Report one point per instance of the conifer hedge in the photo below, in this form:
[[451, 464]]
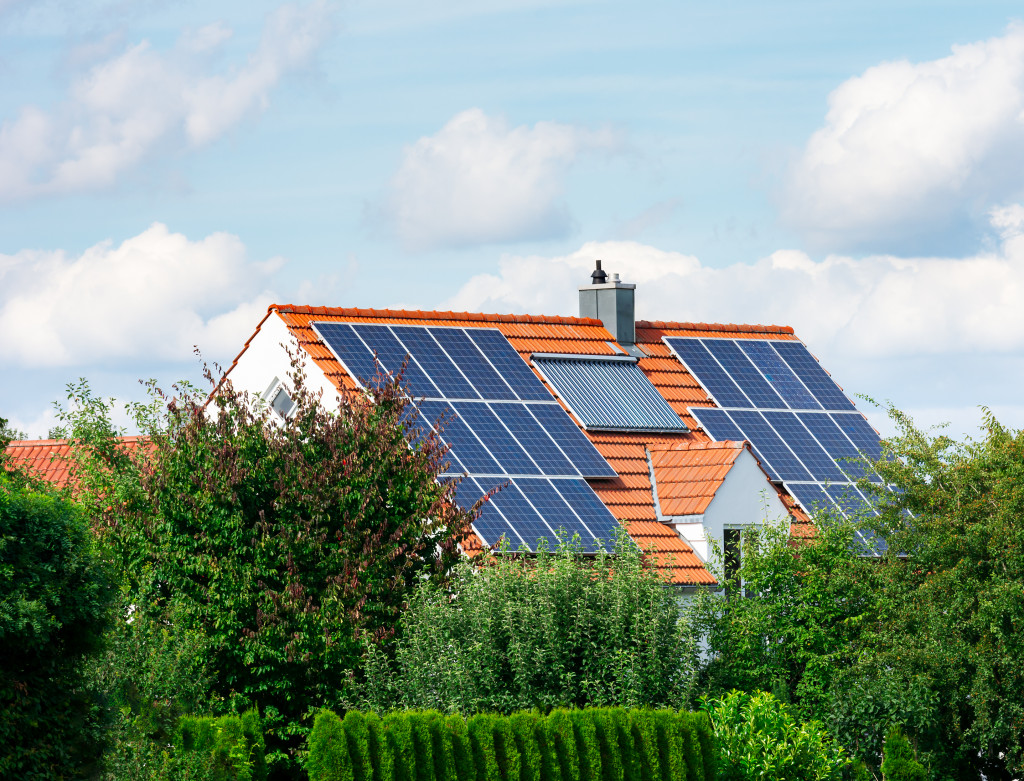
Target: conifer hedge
[[593, 744]]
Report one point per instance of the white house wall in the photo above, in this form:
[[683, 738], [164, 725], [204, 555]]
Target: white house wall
[[745, 498], [265, 359]]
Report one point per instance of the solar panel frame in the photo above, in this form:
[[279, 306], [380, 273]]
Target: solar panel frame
[[497, 349], [818, 381], [560, 514], [571, 441], [707, 371], [779, 460], [355, 357], [473, 364], [443, 371], [592, 512], [609, 394], [472, 454], [789, 387], [803, 444], [838, 445], [534, 439], [498, 440], [744, 373]]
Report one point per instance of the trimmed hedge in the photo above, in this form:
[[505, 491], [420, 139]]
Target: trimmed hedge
[[235, 744], [593, 744]]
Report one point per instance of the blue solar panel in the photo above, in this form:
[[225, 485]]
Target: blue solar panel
[[492, 525], [717, 423], [393, 355], [506, 360], [860, 433], [850, 499], [812, 498], [813, 376], [464, 444], [838, 445], [571, 440], [818, 462], [610, 394], [354, 354], [478, 371], [444, 373], [745, 374], [706, 370], [590, 509], [777, 459], [775, 370], [521, 515], [556, 511], [534, 439], [496, 438]]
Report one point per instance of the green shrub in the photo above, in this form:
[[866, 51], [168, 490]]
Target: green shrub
[[550, 765], [234, 744], [399, 734], [701, 724], [608, 744], [586, 744], [481, 738], [462, 749], [563, 738], [441, 747], [758, 738], [505, 749], [358, 736], [54, 598], [899, 762], [645, 738], [423, 745], [691, 743], [627, 744], [329, 758], [525, 726], [382, 754], [671, 748], [525, 634]]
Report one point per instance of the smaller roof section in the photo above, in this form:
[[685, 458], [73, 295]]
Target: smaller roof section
[[608, 393], [689, 474], [50, 459]]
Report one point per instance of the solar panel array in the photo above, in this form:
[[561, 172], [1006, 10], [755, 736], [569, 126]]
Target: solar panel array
[[500, 423], [803, 428], [609, 394]]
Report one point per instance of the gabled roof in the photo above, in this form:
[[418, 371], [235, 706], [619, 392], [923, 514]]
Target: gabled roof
[[630, 496], [689, 475]]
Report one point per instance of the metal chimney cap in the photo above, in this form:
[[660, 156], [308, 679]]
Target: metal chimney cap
[[598, 277]]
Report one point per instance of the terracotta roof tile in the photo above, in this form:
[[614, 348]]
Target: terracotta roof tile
[[50, 459]]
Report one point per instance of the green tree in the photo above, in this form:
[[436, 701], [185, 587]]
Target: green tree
[[557, 629], [952, 615], [54, 598], [280, 542]]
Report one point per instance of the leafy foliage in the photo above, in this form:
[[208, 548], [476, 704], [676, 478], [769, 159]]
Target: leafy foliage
[[899, 763], [279, 541], [758, 738], [54, 598], [560, 629]]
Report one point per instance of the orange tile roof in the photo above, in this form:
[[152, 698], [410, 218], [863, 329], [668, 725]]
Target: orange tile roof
[[50, 459], [689, 475], [629, 497]]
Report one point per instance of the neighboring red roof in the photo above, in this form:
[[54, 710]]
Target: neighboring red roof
[[629, 497], [50, 459]]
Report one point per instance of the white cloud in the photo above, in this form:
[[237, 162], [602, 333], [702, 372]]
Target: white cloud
[[153, 296], [125, 108], [479, 181], [877, 307], [912, 151]]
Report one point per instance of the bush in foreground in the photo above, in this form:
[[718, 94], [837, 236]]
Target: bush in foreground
[[759, 739]]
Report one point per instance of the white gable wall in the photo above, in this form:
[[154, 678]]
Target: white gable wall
[[745, 498], [266, 359]]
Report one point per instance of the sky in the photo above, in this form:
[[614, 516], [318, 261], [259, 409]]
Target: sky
[[854, 170]]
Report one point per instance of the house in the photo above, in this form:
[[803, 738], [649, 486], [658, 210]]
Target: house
[[682, 433], [695, 449]]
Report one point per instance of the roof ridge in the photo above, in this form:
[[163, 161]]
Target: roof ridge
[[726, 444], [737, 327], [419, 314]]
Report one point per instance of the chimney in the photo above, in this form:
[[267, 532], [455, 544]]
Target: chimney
[[611, 303]]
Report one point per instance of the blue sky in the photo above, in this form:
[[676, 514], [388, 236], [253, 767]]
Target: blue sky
[[851, 169]]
